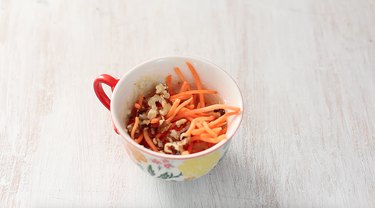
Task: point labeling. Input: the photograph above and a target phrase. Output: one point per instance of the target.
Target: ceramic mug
(142, 78)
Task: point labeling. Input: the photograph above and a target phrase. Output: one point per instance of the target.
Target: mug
(145, 76)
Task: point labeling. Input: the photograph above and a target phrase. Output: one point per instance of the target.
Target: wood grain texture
(306, 68)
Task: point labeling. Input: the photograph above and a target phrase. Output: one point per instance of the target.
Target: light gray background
(306, 68)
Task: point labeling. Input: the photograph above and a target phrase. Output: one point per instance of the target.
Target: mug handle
(102, 96)
(98, 88)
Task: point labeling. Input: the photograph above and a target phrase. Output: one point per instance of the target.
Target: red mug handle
(98, 88)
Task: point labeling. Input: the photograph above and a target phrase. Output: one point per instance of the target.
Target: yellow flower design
(137, 155)
(199, 166)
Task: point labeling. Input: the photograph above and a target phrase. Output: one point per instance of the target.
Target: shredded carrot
(185, 86)
(202, 130)
(184, 110)
(214, 107)
(198, 83)
(205, 126)
(194, 92)
(179, 74)
(168, 82)
(136, 123)
(137, 106)
(182, 114)
(221, 119)
(221, 124)
(149, 141)
(190, 118)
(194, 122)
(181, 97)
(193, 102)
(173, 108)
(190, 147)
(223, 131)
(158, 135)
(139, 139)
(178, 109)
(207, 138)
(209, 130)
(195, 138)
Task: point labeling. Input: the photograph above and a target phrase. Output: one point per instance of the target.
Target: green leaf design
(178, 175)
(150, 170)
(166, 175)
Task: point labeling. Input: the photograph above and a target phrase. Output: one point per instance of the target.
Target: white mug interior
(142, 78)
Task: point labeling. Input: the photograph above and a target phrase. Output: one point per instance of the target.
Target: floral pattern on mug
(164, 162)
(176, 170)
(163, 170)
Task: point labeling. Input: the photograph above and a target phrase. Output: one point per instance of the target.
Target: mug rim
(128, 139)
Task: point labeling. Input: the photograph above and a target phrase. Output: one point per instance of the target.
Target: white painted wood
(306, 67)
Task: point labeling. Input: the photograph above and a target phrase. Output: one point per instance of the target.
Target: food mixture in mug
(176, 119)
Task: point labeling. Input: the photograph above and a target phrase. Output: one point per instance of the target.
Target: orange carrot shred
(194, 122)
(173, 108)
(221, 119)
(137, 106)
(139, 139)
(202, 130)
(194, 101)
(190, 92)
(168, 82)
(179, 74)
(207, 138)
(224, 130)
(185, 86)
(198, 82)
(190, 147)
(149, 141)
(209, 130)
(205, 127)
(136, 123)
(214, 107)
(181, 97)
(178, 109)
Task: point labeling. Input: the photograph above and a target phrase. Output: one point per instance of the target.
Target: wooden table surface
(306, 69)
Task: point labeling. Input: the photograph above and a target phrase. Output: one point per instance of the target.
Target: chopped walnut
(169, 139)
(164, 127)
(143, 116)
(179, 145)
(152, 113)
(180, 122)
(145, 122)
(130, 127)
(160, 143)
(174, 134)
(165, 108)
(161, 89)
